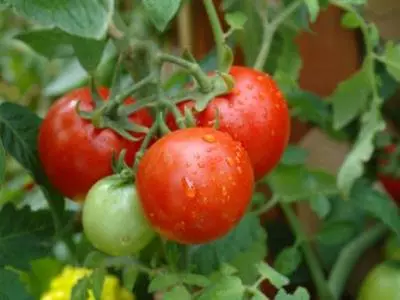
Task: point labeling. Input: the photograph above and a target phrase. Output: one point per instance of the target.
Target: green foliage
(299, 294)
(161, 13)
(288, 260)
(24, 236)
(236, 20)
(2, 163)
(88, 18)
(93, 282)
(313, 8)
(391, 57)
(11, 287)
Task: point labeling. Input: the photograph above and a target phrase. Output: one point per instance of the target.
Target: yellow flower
(62, 285)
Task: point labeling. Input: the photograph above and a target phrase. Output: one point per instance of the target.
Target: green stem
(217, 31)
(349, 256)
(134, 88)
(193, 68)
(270, 29)
(314, 266)
(143, 147)
(267, 206)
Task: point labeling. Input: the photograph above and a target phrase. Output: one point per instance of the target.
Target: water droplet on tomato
(230, 161)
(209, 138)
(201, 164)
(260, 78)
(188, 187)
(224, 191)
(125, 240)
(239, 169)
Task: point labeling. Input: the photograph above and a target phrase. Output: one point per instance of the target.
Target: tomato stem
(219, 36)
(270, 29)
(317, 273)
(267, 206)
(143, 147)
(349, 256)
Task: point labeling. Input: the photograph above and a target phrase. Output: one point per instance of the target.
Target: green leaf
(11, 286)
(161, 12)
(130, 274)
(89, 18)
(195, 280)
(207, 258)
(274, 277)
(80, 291)
(294, 155)
(258, 295)
(24, 236)
(236, 20)
(300, 294)
(353, 166)
(295, 183)
(336, 233)
(89, 52)
(289, 62)
(376, 204)
(19, 129)
(391, 58)
(97, 280)
(226, 288)
(351, 20)
(164, 281)
(288, 260)
(178, 292)
(41, 274)
(350, 98)
(313, 9)
(321, 205)
(2, 163)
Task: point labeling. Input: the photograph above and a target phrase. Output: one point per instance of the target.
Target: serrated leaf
(376, 204)
(11, 286)
(129, 276)
(236, 20)
(336, 233)
(207, 258)
(89, 18)
(351, 20)
(321, 205)
(258, 295)
(24, 236)
(275, 278)
(300, 294)
(288, 260)
(195, 280)
(161, 12)
(313, 9)
(163, 282)
(2, 163)
(392, 59)
(19, 129)
(80, 291)
(226, 288)
(353, 166)
(178, 292)
(295, 183)
(350, 98)
(373, 34)
(89, 52)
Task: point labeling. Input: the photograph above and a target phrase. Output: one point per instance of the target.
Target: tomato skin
(74, 153)
(390, 183)
(382, 282)
(255, 113)
(113, 219)
(195, 184)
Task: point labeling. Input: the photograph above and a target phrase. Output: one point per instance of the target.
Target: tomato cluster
(192, 186)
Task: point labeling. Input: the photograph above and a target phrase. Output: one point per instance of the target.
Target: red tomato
(73, 152)
(255, 113)
(390, 183)
(195, 184)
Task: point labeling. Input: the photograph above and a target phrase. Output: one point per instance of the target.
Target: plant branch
(267, 206)
(317, 273)
(270, 29)
(349, 256)
(217, 31)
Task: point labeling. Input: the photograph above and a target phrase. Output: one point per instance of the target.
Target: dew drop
(188, 187)
(201, 164)
(224, 191)
(230, 161)
(239, 169)
(125, 240)
(260, 78)
(209, 138)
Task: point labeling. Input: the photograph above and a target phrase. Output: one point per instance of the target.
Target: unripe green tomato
(113, 220)
(382, 282)
(391, 248)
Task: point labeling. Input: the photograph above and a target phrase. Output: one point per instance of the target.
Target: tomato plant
(211, 149)
(254, 113)
(74, 153)
(113, 220)
(195, 184)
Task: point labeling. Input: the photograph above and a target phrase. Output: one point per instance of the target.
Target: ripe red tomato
(255, 113)
(390, 183)
(74, 153)
(195, 184)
